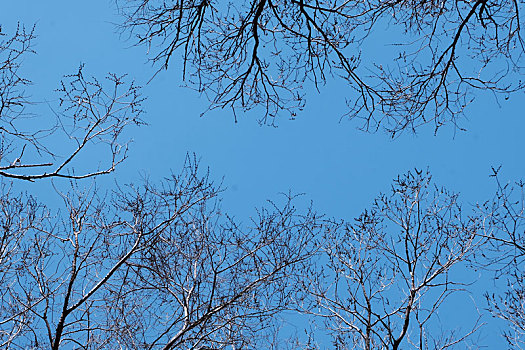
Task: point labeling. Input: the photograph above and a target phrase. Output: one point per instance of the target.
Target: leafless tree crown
(388, 273)
(90, 115)
(157, 267)
(244, 54)
(505, 229)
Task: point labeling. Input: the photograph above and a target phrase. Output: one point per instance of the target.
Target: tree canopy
(262, 53)
(165, 264)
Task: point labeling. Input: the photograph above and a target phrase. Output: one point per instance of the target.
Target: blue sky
(338, 167)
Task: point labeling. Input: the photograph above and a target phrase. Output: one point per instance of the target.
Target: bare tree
(505, 228)
(148, 267)
(387, 274)
(261, 53)
(211, 284)
(20, 217)
(90, 115)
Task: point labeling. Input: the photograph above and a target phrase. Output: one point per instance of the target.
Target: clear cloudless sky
(338, 167)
